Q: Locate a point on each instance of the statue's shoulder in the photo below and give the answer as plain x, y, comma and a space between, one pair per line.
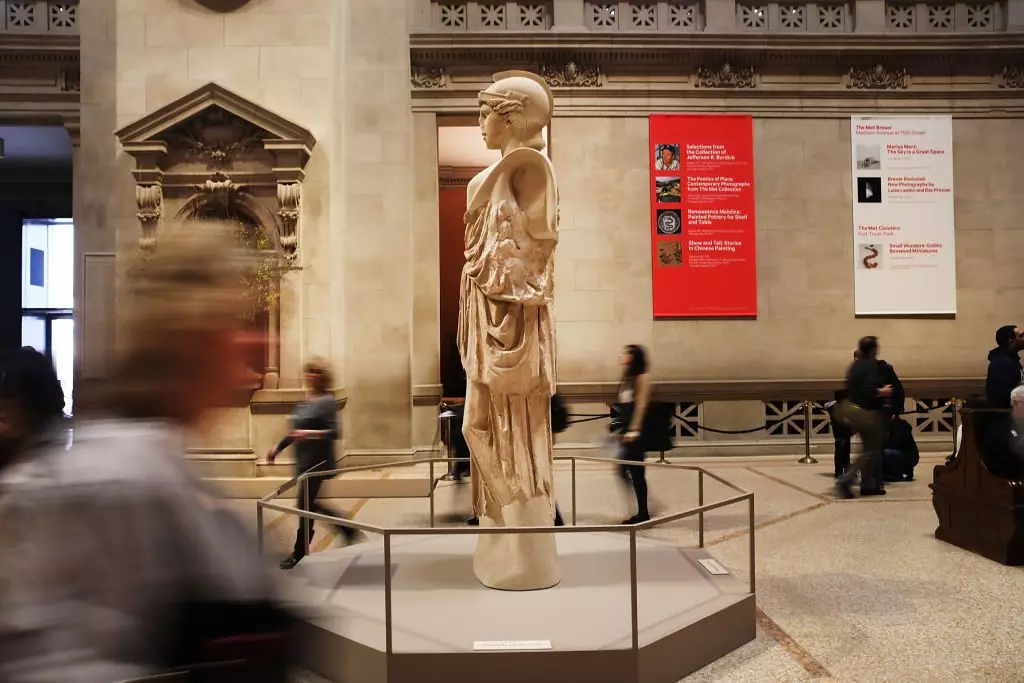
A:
527, 158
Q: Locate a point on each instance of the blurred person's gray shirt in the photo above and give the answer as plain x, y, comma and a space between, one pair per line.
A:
99, 543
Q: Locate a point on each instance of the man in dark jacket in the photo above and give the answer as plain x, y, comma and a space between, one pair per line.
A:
1004, 369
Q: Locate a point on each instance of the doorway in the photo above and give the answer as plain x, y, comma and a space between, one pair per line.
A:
461, 154
48, 295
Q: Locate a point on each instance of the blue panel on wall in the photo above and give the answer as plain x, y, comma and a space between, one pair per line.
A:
36, 267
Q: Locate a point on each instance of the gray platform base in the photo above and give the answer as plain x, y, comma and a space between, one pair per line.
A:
687, 617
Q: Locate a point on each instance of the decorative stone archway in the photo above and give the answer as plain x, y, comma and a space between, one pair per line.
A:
213, 145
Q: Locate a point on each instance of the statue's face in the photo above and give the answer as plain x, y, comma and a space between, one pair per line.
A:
493, 128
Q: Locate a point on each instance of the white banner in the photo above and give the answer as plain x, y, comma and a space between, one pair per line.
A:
904, 256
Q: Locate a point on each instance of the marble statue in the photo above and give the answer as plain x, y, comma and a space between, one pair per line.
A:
507, 335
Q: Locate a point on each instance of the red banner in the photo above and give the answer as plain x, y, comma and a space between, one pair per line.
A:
702, 216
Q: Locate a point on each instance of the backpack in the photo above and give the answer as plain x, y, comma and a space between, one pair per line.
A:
896, 402
559, 415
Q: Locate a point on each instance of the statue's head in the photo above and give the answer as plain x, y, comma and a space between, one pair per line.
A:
515, 108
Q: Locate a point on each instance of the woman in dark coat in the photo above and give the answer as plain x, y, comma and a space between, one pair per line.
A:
314, 431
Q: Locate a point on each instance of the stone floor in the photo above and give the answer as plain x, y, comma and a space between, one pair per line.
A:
848, 590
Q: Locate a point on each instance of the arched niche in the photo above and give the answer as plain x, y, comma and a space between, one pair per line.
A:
215, 154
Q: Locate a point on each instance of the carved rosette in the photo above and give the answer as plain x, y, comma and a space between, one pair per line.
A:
726, 76
878, 77
289, 199
572, 75
428, 78
1012, 77
150, 200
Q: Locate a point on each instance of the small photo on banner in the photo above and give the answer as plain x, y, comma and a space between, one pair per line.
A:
670, 253
666, 157
670, 190
703, 251
871, 256
670, 221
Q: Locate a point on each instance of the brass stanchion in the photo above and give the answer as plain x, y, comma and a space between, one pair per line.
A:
807, 459
446, 417
955, 404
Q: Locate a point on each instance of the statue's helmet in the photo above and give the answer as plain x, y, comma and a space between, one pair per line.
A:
525, 100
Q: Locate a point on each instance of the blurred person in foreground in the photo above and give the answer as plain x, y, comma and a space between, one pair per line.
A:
31, 409
133, 570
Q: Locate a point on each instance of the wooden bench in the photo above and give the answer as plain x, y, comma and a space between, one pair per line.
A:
977, 510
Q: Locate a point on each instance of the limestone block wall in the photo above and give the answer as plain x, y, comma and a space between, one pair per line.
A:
340, 69
806, 328
374, 227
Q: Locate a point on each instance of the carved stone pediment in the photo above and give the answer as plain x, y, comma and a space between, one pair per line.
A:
726, 76
572, 75
213, 135
1012, 77
878, 77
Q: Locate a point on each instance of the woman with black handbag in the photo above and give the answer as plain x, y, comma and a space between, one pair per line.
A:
630, 409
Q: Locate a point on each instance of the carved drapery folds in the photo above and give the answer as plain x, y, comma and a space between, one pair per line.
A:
1012, 77
572, 75
289, 200
149, 200
726, 76
878, 77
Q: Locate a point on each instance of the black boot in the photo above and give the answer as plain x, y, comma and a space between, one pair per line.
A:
292, 560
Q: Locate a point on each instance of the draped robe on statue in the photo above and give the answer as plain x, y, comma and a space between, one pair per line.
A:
507, 343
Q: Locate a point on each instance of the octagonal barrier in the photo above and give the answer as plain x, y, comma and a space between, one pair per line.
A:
405, 605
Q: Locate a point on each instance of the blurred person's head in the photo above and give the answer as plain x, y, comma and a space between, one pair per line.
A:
1017, 402
182, 325
317, 377
31, 397
634, 361
867, 348
1010, 338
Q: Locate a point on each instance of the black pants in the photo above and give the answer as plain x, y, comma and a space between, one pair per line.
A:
842, 458
634, 452
306, 524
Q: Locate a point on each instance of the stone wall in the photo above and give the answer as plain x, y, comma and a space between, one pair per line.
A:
323, 65
806, 328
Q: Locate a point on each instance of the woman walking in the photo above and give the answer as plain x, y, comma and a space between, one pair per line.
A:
314, 431
862, 412
634, 396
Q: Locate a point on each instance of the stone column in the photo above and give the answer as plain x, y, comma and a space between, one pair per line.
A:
95, 177
721, 16
869, 16
375, 251
568, 15
287, 337
1015, 15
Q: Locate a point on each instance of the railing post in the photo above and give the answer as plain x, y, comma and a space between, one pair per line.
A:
308, 534
807, 459
259, 527
700, 502
574, 491
433, 485
387, 594
753, 580
633, 600
955, 404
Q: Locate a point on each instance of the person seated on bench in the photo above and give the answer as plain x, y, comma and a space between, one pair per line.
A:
901, 455
1003, 443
